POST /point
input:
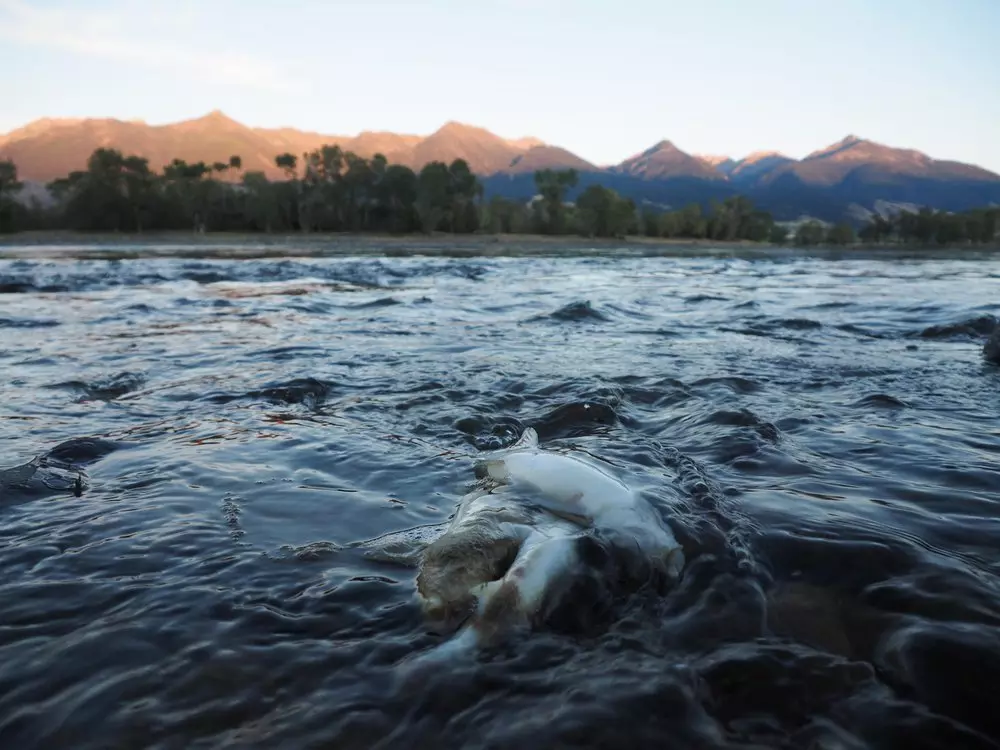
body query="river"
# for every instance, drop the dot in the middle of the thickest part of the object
(191, 445)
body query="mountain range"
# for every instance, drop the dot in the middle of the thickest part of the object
(848, 179)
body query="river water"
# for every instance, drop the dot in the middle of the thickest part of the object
(191, 446)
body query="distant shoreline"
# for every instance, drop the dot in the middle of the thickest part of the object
(66, 243)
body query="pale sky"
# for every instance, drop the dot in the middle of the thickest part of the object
(605, 79)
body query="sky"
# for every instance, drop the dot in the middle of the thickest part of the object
(603, 78)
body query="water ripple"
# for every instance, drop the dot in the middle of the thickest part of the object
(197, 449)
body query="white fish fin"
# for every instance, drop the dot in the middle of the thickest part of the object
(528, 439)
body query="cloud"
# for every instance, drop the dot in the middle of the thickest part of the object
(124, 37)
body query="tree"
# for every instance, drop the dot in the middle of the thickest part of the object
(140, 190)
(693, 224)
(950, 229)
(779, 234)
(287, 162)
(809, 233)
(650, 223)
(320, 191)
(9, 185)
(434, 206)
(671, 224)
(727, 220)
(8, 179)
(604, 213)
(928, 226)
(398, 192)
(757, 226)
(840, 234)
(98, 197)
(261, 207)
(553, 185)
(463, 189)
(877, 229)
(506, 216)
(375, 210)
(359, 183)
(192, 191)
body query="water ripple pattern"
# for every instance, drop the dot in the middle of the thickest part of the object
(191, 449)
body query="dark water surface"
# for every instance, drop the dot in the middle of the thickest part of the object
(822, 435)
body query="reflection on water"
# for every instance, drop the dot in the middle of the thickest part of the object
(193, 447)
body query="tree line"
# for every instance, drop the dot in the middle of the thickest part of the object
(929, 227)
(332, 190)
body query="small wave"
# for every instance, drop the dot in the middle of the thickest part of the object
(294, 288)
(26, 287)
(628, 311)
(311, 392)
(78, 451)
(106, 389)
(16, 287)
(794, 324)
(738, 384)
(661, 332)
(946, 665)
(744, 418)
(977, 327)
(577, 311)
(774, 328)
(82, 275)
(206, 277)
(381, 302)
(576, 419)
(27, 323)
(832, 305)
(695, 299)
(882, 400)
(859, 331)
(659, 393)
(489, 432)
(799, 324)
(282, 353)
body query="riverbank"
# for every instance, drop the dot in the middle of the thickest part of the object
(110, 245)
